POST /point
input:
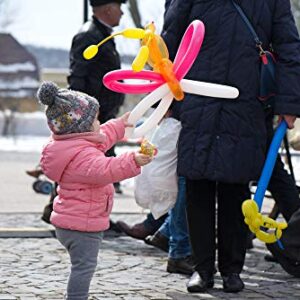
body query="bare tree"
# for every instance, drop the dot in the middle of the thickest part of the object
(135, 13)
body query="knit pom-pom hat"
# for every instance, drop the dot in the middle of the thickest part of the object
(67, 111)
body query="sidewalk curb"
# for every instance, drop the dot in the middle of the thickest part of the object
(27, 232)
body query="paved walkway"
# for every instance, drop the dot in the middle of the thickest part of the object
(128, 269)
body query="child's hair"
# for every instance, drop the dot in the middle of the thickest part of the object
(67, 111)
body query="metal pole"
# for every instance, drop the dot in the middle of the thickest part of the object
(85, 10)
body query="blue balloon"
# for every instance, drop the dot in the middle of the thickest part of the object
(269, 164)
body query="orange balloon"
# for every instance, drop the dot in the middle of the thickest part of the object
(165, 68)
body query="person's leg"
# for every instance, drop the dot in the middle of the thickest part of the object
(232, 233)
(180, 260)
(291, 235)
(281, 185)
(164, 229)
(49, 206)
(152, 224)
(160, 239)
(289, 257)
(179, 236)
(141, 230)
(284, 190)
(83, 248)
(201, 221)
(201, 211)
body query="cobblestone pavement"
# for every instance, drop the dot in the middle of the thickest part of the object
(128, 269)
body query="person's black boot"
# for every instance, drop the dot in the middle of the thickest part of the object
(181, 266)
(232, 283)
(137, 231)
(287, 258)
(158, 240)
(200, 282)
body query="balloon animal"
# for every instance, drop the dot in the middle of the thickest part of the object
(162, 86)
(251, 208)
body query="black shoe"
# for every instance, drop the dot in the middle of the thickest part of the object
(200, 282)
(137, 231)
(271, 258)
(181, 266)
(232, 283)
(158, 240)
(287, 262)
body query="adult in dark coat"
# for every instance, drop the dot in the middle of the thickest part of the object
(86, 75)
(222, 144)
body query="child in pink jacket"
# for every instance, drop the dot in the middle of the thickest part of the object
(75, 158)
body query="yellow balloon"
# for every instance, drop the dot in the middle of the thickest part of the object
(90, 52)
(158, 49)
(141, 59)
(255, 220)
(134, 33)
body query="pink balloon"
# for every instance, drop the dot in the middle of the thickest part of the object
(111, 81)
(187, 53)
(189, 48)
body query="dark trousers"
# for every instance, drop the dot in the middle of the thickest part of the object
(231, 229)
(284, 190)
(291, 235)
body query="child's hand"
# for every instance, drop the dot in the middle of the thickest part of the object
(125, 119)
(142, 159)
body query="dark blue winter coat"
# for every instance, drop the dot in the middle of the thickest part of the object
(225, 140)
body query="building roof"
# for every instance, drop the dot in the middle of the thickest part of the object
(19, 72)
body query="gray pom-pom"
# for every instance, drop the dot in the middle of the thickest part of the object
(47, 92)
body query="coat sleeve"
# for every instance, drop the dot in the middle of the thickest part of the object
(93, 167)
(114, 131)
(286, 44)
(80, 68)
(78, 65)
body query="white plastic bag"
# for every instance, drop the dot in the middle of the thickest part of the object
(157, 186)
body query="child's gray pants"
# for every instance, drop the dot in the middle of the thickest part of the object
(83, 248)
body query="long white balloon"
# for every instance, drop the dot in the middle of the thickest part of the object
(163, 92)
(209, 89)
(141, 109)
(155, 117)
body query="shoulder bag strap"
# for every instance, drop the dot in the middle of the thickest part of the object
(250, 27)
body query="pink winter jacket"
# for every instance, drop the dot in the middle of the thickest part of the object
(85, 176)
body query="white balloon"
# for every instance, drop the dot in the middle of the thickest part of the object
(164, 93)
(209, 89)
(141, 109)
(155, 117)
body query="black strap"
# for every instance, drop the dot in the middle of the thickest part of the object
(248, 24)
